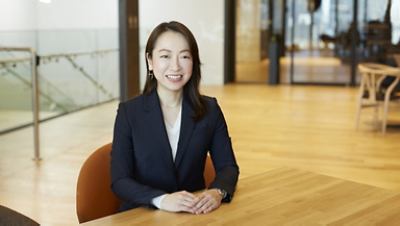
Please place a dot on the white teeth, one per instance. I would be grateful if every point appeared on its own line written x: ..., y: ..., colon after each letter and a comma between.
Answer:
x: 174, y: 77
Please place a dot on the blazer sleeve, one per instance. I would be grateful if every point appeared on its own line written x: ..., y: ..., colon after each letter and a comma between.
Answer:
x: 227, y: 170
x: 123, y: 183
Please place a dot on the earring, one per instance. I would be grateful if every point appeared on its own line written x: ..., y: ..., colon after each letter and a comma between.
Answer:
x: 151, y: 74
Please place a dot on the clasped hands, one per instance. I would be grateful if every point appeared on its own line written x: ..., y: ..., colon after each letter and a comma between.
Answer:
x: 199, y: 203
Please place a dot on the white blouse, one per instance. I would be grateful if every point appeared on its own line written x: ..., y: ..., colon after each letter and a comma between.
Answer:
x: 173, y: 137
x: 173, y: 133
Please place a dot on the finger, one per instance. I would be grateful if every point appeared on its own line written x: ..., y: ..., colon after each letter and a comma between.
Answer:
x: 184, y: 208
x: 188, y: 202
x: 205, y: 207
x: 211, y: 208
x: 205, y: 204
x: 201, y: 202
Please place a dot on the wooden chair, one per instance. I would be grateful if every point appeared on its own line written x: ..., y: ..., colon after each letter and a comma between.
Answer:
x: 372, y: 94
x: 94, y: 197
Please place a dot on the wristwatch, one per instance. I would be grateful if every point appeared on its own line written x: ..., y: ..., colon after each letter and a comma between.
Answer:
x: 222, y: 193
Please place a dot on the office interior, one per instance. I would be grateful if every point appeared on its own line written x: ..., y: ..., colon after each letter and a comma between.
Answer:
x: 285, y: 73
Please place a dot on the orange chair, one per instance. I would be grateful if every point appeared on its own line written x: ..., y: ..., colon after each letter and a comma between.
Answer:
x: 94, y: 197
x: 209, y: 172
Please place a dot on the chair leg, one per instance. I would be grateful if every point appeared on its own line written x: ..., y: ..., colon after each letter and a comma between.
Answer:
x: 385, y: 113
x: 358, y: 116
x: 359, y: 104
x: 386, y: 103
x: 376, y: 116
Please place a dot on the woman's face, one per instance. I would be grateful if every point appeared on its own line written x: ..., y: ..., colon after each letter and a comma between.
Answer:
x: 171, y: 61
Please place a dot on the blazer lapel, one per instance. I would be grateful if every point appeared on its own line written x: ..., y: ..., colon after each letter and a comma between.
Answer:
x: 156, y: 124
x: 187, y: 127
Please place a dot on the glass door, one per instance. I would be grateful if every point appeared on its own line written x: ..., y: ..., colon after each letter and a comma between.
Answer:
x: 319, y: 42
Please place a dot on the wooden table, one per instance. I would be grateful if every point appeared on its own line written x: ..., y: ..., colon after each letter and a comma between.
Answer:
x: 284, y: 196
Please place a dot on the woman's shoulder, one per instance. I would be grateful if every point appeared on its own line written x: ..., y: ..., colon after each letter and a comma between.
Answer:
x: 133, y: 102
x: 211, y: 102
x: 208, y: 100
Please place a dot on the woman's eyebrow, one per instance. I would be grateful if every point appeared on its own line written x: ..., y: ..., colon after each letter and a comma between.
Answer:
x: 184, y: 50
x: 164, y: 50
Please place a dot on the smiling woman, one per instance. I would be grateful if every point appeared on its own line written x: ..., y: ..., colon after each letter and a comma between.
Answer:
x: 169, y: 41
x: 162, y: 138
x: 171, y: 61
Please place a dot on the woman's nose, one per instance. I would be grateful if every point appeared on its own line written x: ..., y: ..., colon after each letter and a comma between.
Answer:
x: 174, y: 65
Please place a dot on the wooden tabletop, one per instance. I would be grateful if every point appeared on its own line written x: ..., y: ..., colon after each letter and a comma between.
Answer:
x: 284, y: 196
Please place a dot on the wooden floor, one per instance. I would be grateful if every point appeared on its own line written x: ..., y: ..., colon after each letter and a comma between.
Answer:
x: 303, y: 127
x: 317, y: 66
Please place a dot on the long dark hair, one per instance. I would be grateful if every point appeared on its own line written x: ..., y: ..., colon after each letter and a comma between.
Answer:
x: 191, y: 88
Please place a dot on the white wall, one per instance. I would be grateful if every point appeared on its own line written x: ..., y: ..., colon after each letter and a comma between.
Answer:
x: 16, y: 15
x: 17, y: 23
x: 204, y: 18
x: 77, y: 14
x: 33, y: 23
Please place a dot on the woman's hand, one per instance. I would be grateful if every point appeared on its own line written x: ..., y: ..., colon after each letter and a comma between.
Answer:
x: 181, y: 201
x: 209, y: 200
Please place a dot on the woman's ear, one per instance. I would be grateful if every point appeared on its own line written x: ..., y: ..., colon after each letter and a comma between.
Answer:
x: 149, y: 61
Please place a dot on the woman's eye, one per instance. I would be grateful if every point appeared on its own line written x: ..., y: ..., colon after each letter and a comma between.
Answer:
x: 164, y: 56
x: 186, y: 57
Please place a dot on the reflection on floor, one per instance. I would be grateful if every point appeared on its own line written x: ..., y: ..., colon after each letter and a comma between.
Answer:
x: 305, y: 127
x: 309, y: 67
x: 14, y: 118
x: 46, y: 191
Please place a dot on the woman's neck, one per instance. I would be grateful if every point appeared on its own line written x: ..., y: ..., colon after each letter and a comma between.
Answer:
x: 170, y: 99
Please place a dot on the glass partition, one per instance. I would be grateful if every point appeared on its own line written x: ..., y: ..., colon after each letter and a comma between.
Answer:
x: 77, y: 69
x: 320, y: 38
x: 15, y: 89
x: 379, y: 30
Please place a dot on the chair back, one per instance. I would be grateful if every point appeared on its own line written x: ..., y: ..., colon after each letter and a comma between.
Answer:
x: 94, y: 197
x: 372, y: 76
x: 209, y: 172
x: 372, y: 92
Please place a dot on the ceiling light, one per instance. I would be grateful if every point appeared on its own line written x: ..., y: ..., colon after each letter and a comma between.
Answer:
x: 45, y: 1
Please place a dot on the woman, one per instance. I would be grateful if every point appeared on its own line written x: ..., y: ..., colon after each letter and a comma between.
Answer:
x: 161, y: 138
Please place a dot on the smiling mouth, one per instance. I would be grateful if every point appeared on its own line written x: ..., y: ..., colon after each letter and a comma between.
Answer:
x: 174, y: 77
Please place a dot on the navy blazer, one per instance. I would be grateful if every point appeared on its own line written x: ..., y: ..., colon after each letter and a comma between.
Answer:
x: 142, y: 166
